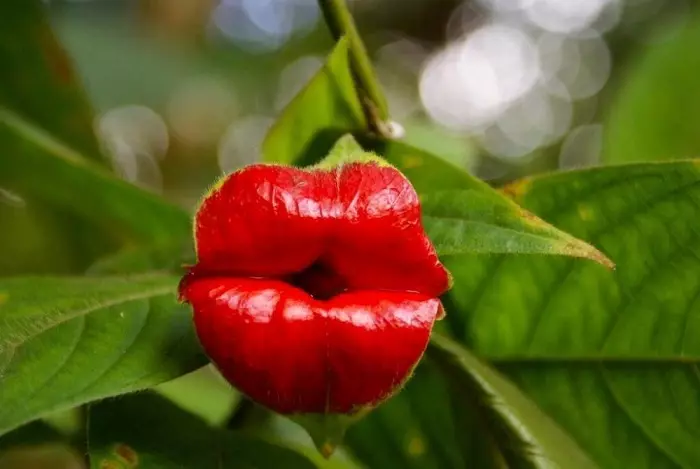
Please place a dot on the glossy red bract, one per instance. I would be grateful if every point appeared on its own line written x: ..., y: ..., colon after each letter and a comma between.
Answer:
x: 314, y: 291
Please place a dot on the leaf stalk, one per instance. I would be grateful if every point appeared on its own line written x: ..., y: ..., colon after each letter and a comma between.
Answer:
x: 340, y: 23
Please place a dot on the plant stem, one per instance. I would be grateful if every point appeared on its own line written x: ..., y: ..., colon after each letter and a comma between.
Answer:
x: 341, y: 23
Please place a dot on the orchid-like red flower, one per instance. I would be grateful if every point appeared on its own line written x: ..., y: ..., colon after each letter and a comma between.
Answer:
x: 314, y: 291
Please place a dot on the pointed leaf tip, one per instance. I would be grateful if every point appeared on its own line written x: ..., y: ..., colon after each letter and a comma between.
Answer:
x: 480, y: 222
x: 347, y: 150
x: 326, y: 430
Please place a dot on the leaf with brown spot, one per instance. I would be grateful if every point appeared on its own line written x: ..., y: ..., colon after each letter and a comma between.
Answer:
x: 516, y: 189
x: 110, y: 464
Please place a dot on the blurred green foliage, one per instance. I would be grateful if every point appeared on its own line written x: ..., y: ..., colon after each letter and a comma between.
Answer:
x: 656, y: 111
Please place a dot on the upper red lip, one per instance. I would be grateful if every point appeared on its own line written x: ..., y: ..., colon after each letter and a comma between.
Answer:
x: 360, y: 223
x: 345, y: 247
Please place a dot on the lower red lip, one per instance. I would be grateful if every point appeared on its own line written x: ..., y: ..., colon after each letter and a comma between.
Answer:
x: 296, y: 354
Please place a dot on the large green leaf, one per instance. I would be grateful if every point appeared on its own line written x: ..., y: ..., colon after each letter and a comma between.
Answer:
x: 67, y: 341
x: 523, y: 436
x: 611, y: 355
x: 148, y: 431
x: 36, y: 163
x: 655, y: 113
x: 325, y: 109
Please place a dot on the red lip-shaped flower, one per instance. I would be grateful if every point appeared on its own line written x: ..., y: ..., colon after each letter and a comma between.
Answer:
x: 314, y: 291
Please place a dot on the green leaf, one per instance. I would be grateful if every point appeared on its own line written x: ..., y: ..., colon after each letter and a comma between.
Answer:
x: 143, y: 259
x: 36, y: 163
x: 415, y: 429
x: 467, y: 216
x: 612, y: 356
x: 327, y: 108
x: 524, y: 435
x: 147, y: 431
x: 425, y: 170
x: 459, y: 150
x: 42, y: 87
x: 347, y: 150
x: 484, y: 222
x: 204, y: 393
x: 654, y: 114
x: 67, y: 341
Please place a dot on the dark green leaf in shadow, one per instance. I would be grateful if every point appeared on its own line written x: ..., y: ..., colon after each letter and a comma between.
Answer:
x: 39, y: 84
x: 525, y: 436
x: 67, y: 341
x: 38, y: 445
x: 612, y: 356
x: 31, y: 241
x: 414, y: 429
x: 31, y: 434
x: 145, y: 430
x: 320, y: 114
x: 204, y: 393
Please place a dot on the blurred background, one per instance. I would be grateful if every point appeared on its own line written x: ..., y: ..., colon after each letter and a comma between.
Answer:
x: 184, y: 90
